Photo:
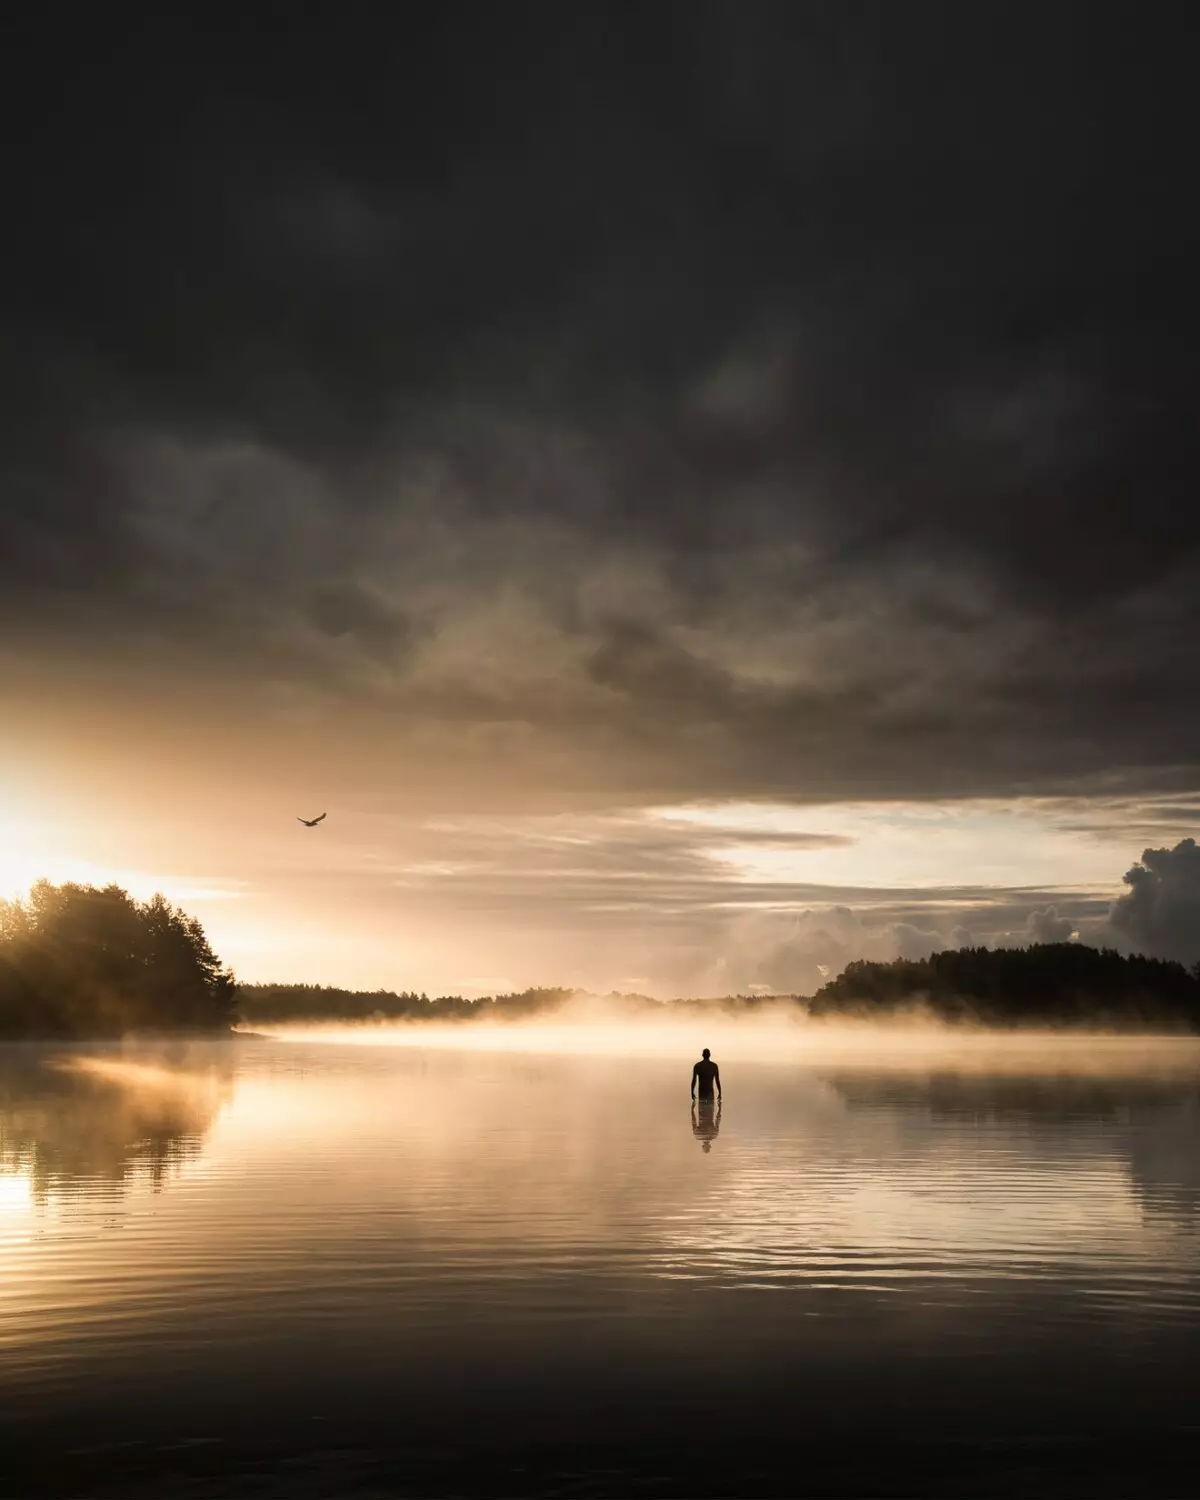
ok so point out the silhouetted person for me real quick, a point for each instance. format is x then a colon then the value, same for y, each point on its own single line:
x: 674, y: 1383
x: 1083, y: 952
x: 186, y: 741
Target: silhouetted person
x: 706, y: 1122
x: 706, y: 1073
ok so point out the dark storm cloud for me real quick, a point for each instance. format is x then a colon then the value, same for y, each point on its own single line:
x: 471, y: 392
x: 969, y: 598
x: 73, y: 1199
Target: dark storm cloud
x: 1160, y: 913
x: 788, y: 399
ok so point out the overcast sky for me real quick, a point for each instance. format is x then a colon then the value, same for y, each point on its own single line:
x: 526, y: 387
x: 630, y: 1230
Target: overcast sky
x: 695, y: 492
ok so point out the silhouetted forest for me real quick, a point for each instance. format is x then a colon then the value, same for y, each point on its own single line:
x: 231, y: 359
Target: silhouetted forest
x: 89, y: 961
x: 1056, y: 983
x: 266, y: 1004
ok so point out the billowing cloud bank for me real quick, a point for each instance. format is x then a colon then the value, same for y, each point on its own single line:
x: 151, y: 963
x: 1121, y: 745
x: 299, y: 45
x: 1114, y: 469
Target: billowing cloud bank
x: 1160, y: 913
x: 772, y: 401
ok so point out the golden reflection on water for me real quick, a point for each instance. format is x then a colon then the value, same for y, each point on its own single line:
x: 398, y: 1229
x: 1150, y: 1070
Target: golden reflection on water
x: 105, y: 1120
x: 254, y: 1185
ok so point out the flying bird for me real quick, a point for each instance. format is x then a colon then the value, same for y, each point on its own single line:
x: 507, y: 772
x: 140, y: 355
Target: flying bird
x: 310, y: 822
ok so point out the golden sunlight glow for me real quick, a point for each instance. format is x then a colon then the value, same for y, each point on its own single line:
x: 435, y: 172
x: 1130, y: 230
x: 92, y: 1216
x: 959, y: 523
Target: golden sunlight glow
x: 33, y: 849
x: 16, y: 1196
x: 25, y: 850
x: 663, y: 899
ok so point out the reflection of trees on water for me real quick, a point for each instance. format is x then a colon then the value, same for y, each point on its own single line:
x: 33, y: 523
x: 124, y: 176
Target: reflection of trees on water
x: 1164, y: 1163
x: 88, y: 1123
x: 1050, y: 1098
x: 1152, y: 1124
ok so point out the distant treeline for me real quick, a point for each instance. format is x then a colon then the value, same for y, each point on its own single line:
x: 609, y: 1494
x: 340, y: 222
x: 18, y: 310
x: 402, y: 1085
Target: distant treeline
x: 89, y: 961
x: 1054, y: 983
x: 263, y: 1003
x: 278, y: 1003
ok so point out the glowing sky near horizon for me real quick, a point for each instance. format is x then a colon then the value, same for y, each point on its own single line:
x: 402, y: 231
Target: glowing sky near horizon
x: 656, y: 898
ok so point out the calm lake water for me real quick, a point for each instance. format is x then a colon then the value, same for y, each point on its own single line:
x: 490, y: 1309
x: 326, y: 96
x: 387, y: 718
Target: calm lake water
x: 310, y: 1267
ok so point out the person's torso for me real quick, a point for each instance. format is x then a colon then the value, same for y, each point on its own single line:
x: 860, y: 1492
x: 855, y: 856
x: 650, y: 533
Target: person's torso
x: 705, y: 1072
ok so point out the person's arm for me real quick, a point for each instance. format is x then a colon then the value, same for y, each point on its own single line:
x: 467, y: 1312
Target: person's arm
x: 717, y: 1079
x: 695, y: 1070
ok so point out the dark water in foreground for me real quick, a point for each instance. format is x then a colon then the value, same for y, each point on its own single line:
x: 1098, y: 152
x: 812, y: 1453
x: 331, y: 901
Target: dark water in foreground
x: 303, y: 1268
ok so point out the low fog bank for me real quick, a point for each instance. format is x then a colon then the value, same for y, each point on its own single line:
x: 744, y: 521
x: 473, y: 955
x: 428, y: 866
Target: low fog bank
x: 911, y: 1042
x: 574, y: 1021
x: 772, y: 1029
x: 1044, y: 988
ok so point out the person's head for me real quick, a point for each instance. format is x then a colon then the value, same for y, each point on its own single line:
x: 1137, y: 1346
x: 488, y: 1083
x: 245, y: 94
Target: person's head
x: 705, y: 1054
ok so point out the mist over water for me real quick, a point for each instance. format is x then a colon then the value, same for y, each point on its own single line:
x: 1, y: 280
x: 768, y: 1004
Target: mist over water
x: 516, y: 1260
x: 779, y: 1033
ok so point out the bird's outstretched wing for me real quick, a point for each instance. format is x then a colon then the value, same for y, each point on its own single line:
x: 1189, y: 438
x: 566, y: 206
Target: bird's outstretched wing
x: 317, y: 820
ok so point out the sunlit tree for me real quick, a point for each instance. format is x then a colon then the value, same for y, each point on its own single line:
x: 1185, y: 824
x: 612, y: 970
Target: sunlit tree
x: 80, y: 960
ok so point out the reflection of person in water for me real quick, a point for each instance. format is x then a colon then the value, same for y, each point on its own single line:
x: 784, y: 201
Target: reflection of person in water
x: 706, y: 1122
x: 706, y: 1073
